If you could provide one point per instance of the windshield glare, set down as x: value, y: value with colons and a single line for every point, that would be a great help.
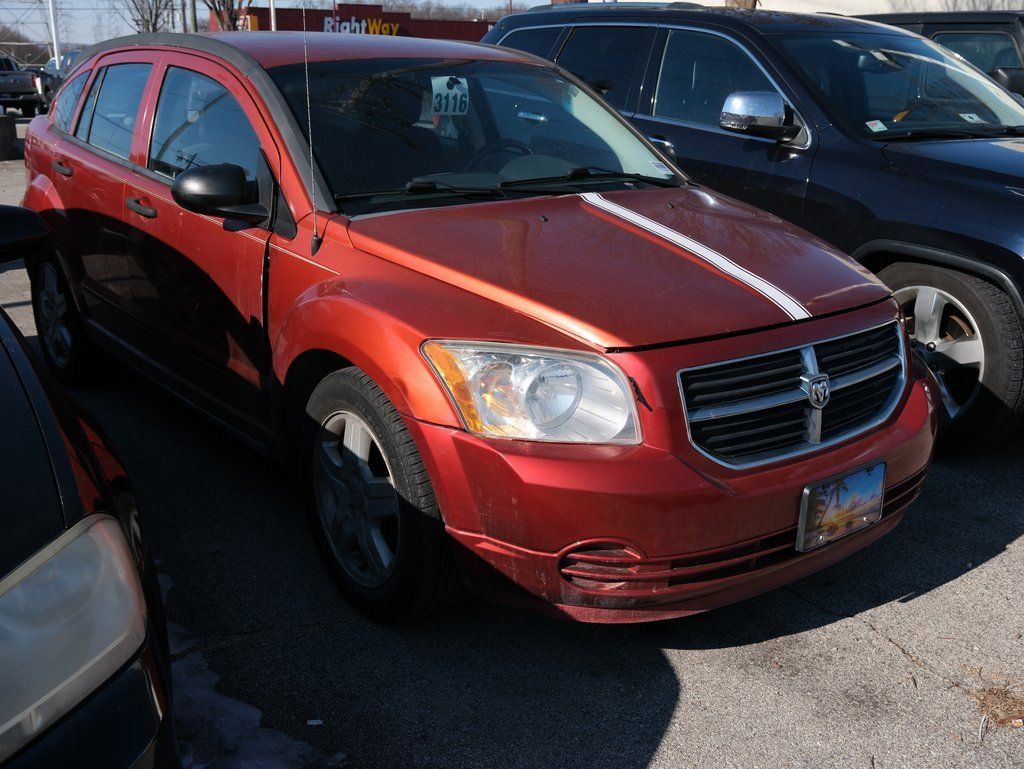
x: 379, y: 124
x: 883, y: 85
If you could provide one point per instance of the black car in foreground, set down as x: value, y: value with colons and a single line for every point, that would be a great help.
x: 873, y: 138
x: 84, y: 665
x: 990, y: 40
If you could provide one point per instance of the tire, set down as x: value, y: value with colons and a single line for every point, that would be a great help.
x: 28, y: 112
x: 351, y: 513
x: 980, y: 318
x: 67, y: 349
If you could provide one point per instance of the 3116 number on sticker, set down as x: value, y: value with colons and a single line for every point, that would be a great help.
x: 451, y: 96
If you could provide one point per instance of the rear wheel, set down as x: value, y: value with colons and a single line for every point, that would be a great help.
x: 28, y: 112
x: 968, y: 333
x: 68, y: 351
x: 374, y: 515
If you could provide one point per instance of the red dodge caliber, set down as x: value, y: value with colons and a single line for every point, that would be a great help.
x: 500, y: 338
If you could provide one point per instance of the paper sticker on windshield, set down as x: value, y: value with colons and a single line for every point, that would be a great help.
x: 451, y: 95
x: 660, y: 167
x: 970, y: 117
x: 876, y: 125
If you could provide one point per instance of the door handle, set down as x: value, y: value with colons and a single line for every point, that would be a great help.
x: 664, y: 145
x: 136, y: 205
x: 62, y: 168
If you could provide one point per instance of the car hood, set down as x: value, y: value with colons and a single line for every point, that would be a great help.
x: 996, y: 165
x: 32, y: 510
x: 627, y: 268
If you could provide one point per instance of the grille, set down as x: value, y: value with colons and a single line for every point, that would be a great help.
x: 761, y: 409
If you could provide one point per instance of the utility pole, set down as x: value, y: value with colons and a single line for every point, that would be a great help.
x: 53, y: 33
x: 273, y: 17
x: 184, y: 18
x: 192, y: 13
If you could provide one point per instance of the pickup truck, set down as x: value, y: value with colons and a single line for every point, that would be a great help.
x: 18, y: 88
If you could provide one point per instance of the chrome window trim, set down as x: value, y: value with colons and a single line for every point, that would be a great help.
x: 675, y: 121
x: 808, y: 448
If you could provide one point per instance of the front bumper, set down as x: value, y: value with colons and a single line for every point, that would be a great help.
x: 627, y: 534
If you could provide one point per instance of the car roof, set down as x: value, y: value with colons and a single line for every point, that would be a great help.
x: 947, y: 17
x: 756, y: 21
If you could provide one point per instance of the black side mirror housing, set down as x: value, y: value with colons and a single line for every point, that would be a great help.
x: 1010, y: 78
x: 217, y: 190
x: 20, y: 231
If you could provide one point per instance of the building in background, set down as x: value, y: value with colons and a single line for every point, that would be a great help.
x: 361, y: 20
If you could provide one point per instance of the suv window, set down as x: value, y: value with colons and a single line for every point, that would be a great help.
x: 605, y: 58
x: 536, y: 41
x: 985, y: 50
x: 108, y: 118
x: 698, y: 72
x: 64, y: 109
x: 199, y: 123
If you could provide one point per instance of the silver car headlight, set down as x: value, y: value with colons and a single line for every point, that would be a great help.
x: 70, y: 617
x: 536, y: 393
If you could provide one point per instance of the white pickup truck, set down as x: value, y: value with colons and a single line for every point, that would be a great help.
x: 18, y: 88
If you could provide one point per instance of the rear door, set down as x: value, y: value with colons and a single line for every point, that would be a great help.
x: 611, y: 59
x: 90, y: 165
x: 197, y: 280
x: 692, y: 73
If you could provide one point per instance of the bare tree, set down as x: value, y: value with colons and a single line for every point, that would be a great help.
x: 228, y: 12
x: 748, y: 4
x: 147, y: 15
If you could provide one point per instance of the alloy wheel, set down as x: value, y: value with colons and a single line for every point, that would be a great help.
x: 53, y: 316
x: 356, y: 499
x: 946, y: 336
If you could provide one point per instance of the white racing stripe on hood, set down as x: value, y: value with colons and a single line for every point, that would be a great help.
x: 768, y: 290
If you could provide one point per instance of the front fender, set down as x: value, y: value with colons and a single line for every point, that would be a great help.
x: 42, y: 196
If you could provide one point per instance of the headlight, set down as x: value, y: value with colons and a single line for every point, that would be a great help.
x: 70, y: 617
x: 533, y: 393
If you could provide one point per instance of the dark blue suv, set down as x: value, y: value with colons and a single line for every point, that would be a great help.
x: 872, y: 138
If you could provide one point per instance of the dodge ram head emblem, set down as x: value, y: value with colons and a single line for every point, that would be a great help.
x: 817, y: 388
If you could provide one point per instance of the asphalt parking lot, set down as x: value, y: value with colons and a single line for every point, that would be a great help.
x: 876, y: 662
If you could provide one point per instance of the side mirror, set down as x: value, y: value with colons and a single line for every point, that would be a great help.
x: 1010, y: 78
x: 20, y: 231
x: 758, y: 113
x: 217, y: 190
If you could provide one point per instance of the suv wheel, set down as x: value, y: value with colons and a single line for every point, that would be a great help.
x: 28, y: 112
x: 970, y: 336
x: 70, y: 354
x: 374, y: 515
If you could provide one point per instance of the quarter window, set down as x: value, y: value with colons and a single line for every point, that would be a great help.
x: 698, y: 72
x: 64, y: 109
x: 985, y: 50
x: 199, y: 123
x: 605, y: 58
x: 110, y: 112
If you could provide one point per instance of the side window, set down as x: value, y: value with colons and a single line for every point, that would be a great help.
x: 108, y: 118
x: 199, y: 123
x: 605, y: 58
x: 64, y: 109
x: 985, y: 50
x: 698, y: 72
x: 536, y: 41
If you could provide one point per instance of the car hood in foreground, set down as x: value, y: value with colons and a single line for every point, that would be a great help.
x: 627, y: 268
x: 996, y: 165
x: 32, y: 511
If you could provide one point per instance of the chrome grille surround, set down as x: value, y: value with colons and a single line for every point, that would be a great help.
x: 872, y: 368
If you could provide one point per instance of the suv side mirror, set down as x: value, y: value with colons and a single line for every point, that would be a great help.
x: 1010, y: 78
x: 217, y: 190
x: 758, y: 113
x: 20, y: 231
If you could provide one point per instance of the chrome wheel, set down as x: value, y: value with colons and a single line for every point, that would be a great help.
x: 53, y: 316
x: 947, y: 337
x: 356, y: 499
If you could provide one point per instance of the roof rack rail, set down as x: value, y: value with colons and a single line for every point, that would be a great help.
x: 682, y: 6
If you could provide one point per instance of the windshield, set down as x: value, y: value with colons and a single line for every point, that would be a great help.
x: 885, y: 86
x: 401, y: 133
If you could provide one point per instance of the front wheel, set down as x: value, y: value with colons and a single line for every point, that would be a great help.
x: 969, y: 334
x: 374, y: 515
x: 68, y: 351
x: 28, y: 112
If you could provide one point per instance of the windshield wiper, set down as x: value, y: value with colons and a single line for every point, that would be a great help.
x: 420, y: 187
x: 595, y: 173
x: 933, y: 133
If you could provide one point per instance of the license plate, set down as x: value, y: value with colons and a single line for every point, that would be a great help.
x: 841, y: 506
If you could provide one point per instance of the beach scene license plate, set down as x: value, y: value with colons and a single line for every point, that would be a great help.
x: 833, y: 509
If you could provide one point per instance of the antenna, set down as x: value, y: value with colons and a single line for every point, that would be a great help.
x: 317, y: 238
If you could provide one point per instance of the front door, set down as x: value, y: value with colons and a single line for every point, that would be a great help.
x: 692, y: 74
x: 197, y: 280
